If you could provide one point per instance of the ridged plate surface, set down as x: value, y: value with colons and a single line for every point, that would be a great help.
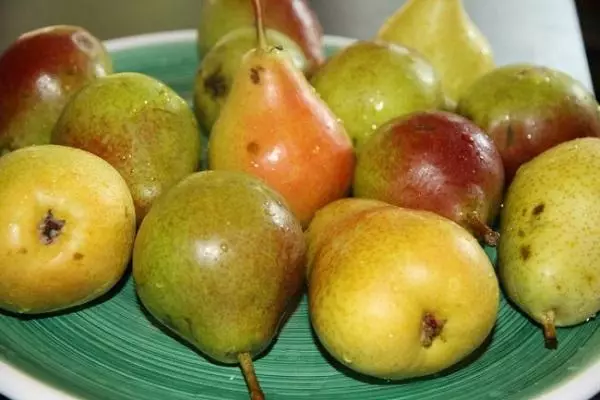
x: 112, y: 350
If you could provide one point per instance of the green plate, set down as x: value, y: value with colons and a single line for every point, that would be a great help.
x: 112, y: 350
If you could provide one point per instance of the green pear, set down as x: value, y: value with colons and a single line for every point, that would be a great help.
x: 219, y: 260
x: 219, y: 66
x: 368, y: 83
x: 549, y: 250
x: 140, y: 126
x: 402, y: 293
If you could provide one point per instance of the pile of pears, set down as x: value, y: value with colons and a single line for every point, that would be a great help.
x: 371, y: 182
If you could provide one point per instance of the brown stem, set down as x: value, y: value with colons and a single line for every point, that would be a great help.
x: 247, y: 366
x: 481, y: 230
x: 260, y: 26
x: 550, y: 340
x: 50, y: 228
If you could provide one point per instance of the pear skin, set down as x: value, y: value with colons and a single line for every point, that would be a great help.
x: 140, y: 126
x: 527, y: 109
x: 294, y: 18
x: 549, y: 251
x: 402, y: 293
x: 218, y: 67
x: 333, y: 218
x: 39, y: 73
x: 274, y: 126
x: 219, y: 260
x: 444, y: 33
x: 68, y: 225
x: 370, y: 82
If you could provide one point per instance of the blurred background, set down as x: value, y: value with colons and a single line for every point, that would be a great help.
x: 564, y: 34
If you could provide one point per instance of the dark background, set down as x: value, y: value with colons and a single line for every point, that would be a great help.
x: 589, y: 19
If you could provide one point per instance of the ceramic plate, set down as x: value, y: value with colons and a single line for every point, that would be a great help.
x: 111, y: 350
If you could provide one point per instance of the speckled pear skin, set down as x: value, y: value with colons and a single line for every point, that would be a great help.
x: 332, y: 219
x: 370, y: 82
x: 274, y: 126
x: 220, y: 261
x: 527, y: 109
x: 39, y: 73
x: 294, y: 18
x: 140, y: 126
x: 218, y: 67
x: 373, y: 284
x: 549, y: 251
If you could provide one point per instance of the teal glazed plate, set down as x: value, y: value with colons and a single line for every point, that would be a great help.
x: 111, y: 350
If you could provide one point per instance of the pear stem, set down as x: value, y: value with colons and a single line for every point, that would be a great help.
x: 481, y: 230
x: 550, y: 340
x: 260, y: 26
x: 247, y: 366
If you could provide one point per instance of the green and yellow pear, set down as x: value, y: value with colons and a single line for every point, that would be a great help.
x: 549, y: 250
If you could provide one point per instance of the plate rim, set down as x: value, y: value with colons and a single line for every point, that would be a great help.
x: 19, y: 385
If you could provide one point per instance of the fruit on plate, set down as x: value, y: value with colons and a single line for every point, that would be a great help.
x: 39, y: 72
x: 140, y: 126
x: 274, y: 126
x: 294, y: 18
x: 549, y: 252
x: 402, y: 293
x: 527, y: 109
x: 436, y: 161
x: 219, y: 260
x: 370, y: 82
x: 445, y: 34
x: 218, y: 67
x: 68, y: 224
x: 332, y: 218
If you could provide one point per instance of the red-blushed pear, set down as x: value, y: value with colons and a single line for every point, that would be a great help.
x: 294, y: 18
x: 39, y: 73
x: 402, y: 293
x: 528, y: 109
x: 273, y: 125
x: 333, y: 218
x: 436, y: 161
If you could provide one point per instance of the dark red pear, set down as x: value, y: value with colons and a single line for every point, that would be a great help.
x: 435, y: 161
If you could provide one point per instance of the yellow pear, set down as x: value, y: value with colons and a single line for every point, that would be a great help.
x: 402, y: 293
x: 444, y: 33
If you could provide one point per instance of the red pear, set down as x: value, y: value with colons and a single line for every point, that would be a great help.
x: 39, y: 73
x: 435, y: 161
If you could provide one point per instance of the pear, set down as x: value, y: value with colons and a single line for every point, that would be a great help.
x: 39, y: 73
x: 140, y: 126
x: 527, y: 109
x: 331, y: 219
x: 436, y: 161
x: 370, y: 82
x: 294, y: 18
x: 402, y: 293
x: 274, y: 126
x: 444, y: 33
x: 218, y: 67
x: 549, y: 252
x: 219, y: 260
x: 68, y: 224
